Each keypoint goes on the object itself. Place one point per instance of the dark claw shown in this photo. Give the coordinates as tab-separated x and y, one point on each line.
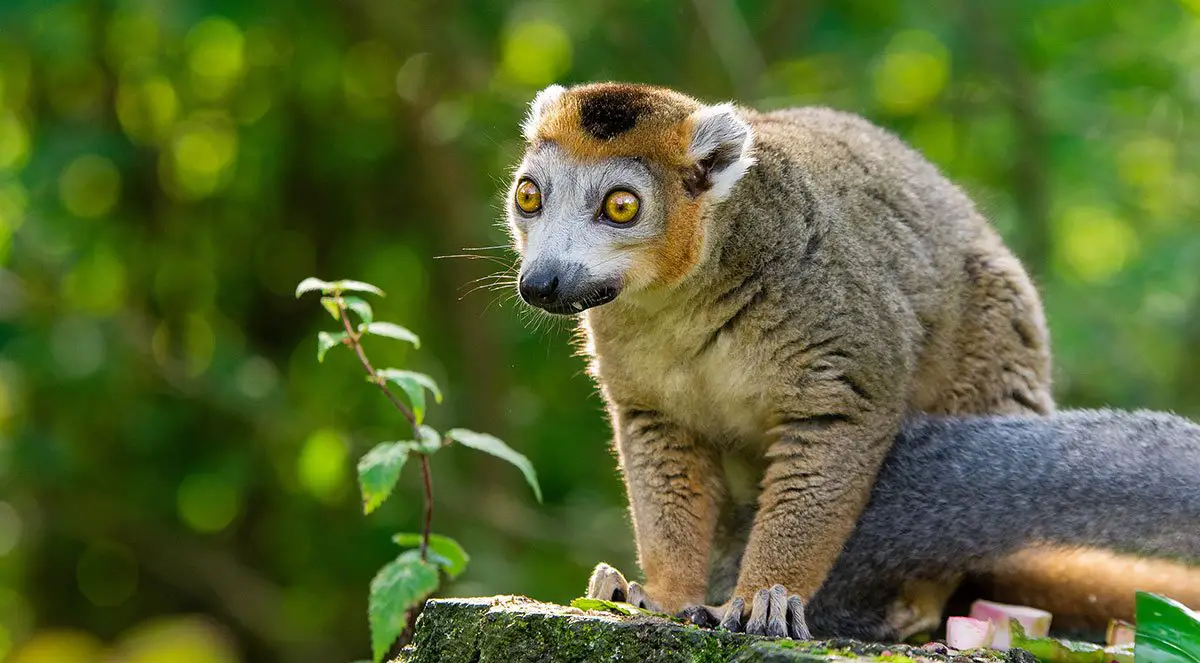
760	612
777	619
797	627
700	615
732	620
638	597
773	613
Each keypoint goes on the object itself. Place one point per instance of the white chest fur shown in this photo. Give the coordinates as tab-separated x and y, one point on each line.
717	393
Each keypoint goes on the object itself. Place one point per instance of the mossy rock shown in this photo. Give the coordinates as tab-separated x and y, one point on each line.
515	629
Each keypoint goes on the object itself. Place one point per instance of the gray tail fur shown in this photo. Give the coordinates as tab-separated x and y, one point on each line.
964	496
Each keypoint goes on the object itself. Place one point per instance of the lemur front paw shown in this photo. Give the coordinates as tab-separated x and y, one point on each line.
773	613
608	584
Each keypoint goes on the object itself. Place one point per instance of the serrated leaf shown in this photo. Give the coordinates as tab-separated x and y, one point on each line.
414	386
326	341
346	285
444	551
310	284
496	447
361	307
398	586
390	330
379	470
330	305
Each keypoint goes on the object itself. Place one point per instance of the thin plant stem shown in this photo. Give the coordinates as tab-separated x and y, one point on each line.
354	340
428	503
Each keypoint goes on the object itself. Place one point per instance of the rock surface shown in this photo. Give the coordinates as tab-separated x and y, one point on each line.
515	629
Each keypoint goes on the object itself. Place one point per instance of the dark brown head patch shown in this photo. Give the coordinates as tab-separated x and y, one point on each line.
609	112
603	120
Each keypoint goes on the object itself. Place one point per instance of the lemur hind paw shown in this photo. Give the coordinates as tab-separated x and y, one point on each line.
608	584
773	613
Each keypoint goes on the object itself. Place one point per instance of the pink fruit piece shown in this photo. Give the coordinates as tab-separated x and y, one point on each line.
966	633
1035	622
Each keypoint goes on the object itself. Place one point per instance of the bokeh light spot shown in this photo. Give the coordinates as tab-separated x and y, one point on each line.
536	52
96	285
178	640
199	343
911	73
1094	243
146	108
107	573
10	528
201	156
216	56
446	121
411	76
1145	160
14	142
1147	165
13	202
77	345
207	502
321	466
257	378
936	137
89	186
58	645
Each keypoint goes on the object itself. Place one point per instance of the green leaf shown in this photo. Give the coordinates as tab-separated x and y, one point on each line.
359	306
414	386
444	551
330	305
326	341
398	586
379	470
354	286
1167	631
391	331
430	441
1056	650
619	608
494	446
310	284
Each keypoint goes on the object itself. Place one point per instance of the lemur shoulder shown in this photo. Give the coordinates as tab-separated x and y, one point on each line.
767	290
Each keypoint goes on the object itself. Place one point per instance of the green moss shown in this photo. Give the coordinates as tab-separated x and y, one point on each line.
509	629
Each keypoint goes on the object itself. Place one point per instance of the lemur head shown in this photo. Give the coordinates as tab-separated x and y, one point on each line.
612	194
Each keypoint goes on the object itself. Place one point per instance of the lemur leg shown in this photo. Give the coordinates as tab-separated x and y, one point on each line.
674	488
819	480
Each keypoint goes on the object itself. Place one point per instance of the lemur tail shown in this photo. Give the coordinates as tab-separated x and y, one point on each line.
1084	507
1085	587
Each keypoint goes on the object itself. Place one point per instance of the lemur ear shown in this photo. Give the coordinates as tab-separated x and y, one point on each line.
538	107
722	149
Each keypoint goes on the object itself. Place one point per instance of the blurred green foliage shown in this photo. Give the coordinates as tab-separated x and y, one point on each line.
177	471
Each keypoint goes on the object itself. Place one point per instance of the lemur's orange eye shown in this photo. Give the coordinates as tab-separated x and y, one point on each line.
529	196
621	206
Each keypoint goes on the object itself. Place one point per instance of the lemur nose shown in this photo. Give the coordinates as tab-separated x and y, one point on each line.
540	288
